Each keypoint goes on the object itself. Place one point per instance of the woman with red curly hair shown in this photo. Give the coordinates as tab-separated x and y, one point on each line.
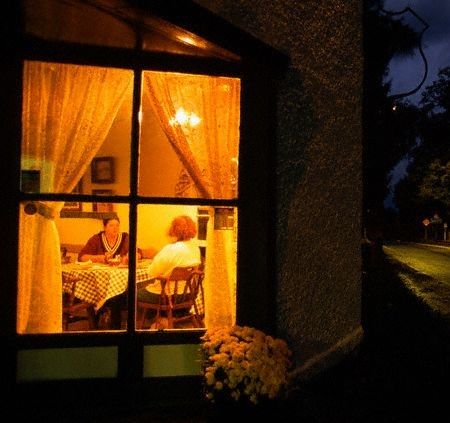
183	252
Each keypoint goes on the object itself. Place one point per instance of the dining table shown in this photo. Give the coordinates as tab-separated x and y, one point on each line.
98	282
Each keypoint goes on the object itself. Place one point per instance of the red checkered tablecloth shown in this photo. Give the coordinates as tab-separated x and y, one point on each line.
98	283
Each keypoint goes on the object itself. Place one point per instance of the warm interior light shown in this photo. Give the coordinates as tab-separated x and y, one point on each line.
188	40
181	117
194	120
194	41
184	118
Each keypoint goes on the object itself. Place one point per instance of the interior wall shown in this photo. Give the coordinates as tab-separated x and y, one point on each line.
77	231
159	166
154	221
158	173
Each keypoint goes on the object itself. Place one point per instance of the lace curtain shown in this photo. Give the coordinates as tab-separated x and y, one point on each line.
209	153
67	113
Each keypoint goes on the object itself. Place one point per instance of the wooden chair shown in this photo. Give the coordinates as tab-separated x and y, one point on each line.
69	252
177	299
72	306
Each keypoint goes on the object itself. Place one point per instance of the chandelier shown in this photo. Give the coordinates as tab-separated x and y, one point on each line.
184	118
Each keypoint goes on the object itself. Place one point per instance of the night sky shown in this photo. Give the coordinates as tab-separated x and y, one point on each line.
407	72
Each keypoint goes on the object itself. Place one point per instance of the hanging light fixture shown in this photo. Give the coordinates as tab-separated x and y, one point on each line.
184	118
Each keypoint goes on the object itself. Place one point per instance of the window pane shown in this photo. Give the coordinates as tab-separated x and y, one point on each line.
65	283
173	236
67	363
75	126
172	360
189	136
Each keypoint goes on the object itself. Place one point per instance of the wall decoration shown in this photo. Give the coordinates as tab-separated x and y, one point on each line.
74	205
102	170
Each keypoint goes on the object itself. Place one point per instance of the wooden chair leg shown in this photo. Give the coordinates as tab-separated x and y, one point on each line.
196	321
169	318
92	318
142	321
201	322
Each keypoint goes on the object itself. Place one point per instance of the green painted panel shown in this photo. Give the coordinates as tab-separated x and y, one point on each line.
66	363
172	360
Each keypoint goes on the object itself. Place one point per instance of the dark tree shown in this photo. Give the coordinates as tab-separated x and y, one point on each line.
436	97
435	185
426	188
390	129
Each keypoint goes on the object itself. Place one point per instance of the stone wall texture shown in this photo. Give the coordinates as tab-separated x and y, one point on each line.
318	163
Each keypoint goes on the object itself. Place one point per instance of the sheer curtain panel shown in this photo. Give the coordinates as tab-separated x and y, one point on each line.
200	117
67	113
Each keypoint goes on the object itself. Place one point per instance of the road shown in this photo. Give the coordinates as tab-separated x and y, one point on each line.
433	260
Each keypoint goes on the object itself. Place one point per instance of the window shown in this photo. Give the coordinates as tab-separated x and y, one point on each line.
77	141
86	90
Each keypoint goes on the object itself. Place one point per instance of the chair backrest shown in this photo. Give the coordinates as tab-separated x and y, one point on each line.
178	283
181	273
179	292
187	283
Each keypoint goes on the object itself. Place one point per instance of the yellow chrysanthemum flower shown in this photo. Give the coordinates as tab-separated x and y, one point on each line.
244	362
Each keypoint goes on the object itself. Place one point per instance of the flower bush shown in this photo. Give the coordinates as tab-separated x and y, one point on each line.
243	364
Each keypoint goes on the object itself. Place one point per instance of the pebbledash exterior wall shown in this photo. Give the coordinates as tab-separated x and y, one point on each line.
318	167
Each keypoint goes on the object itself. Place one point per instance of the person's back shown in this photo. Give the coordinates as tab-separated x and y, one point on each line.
177	254
181	253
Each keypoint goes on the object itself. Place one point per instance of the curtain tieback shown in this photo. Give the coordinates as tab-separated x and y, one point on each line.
39	208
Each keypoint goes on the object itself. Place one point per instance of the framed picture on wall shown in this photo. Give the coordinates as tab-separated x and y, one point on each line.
74	205
102	207
102	170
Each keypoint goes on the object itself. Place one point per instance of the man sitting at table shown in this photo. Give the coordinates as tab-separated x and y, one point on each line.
107	244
